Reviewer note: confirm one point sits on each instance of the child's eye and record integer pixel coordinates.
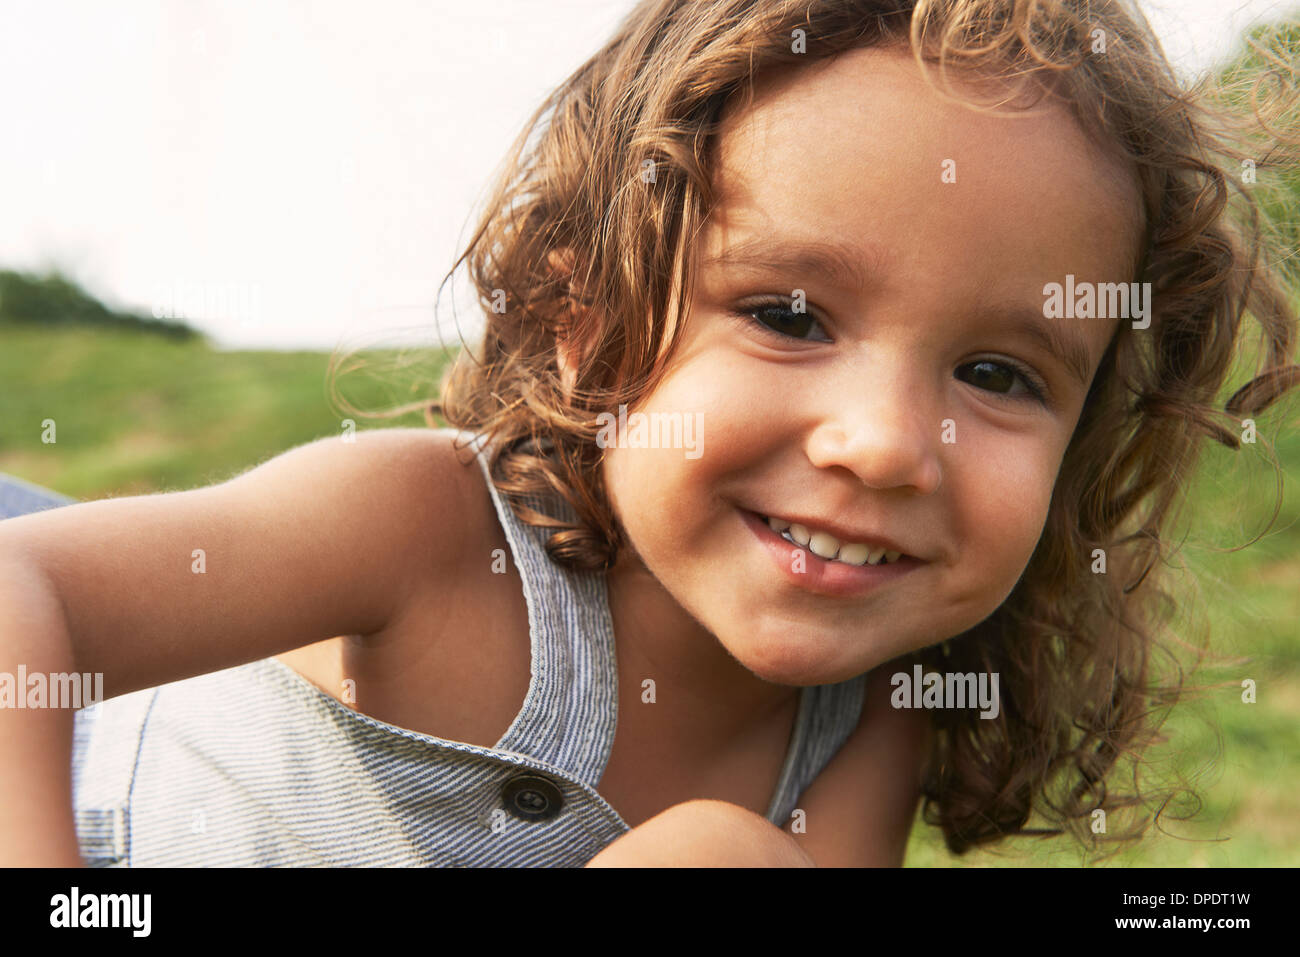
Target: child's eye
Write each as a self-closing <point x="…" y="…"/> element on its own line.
<point x="775" y="316"/>
<point x="1000" y="377"/>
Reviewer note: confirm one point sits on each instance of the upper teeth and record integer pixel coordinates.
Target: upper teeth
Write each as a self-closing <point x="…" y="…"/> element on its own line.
<point x="825" y="545"/>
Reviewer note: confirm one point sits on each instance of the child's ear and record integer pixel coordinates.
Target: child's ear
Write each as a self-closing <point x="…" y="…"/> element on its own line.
<point x="568" y="351"/>
<point x="566" y="358"/>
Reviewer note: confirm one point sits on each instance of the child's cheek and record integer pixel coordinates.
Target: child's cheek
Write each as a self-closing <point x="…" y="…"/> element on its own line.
<point x="725" y="411"/>
<point x="704" y="423"/>
<point x="999" y="492"/>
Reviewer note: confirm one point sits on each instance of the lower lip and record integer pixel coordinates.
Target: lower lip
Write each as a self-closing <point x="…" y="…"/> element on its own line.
<point x="822" y="577"/>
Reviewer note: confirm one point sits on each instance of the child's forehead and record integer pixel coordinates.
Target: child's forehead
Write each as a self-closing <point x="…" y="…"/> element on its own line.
<point x="865" y="128"/>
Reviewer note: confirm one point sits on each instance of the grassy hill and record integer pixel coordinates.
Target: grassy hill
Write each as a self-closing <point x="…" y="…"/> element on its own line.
<point x="54" y="300"/>
<point x="137" y="413"/>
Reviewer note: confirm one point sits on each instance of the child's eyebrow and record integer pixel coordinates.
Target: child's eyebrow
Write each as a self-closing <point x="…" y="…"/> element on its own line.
<point x="840" y="263"/>
<point x="1063" y="342"/>
<point x="843" y="265"/>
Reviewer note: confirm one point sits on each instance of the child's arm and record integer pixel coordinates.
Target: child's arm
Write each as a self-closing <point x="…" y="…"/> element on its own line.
<point x="859" y="810"/>
<point x="704" y="833"/>
<point x="327" y="539"/>
<point x="35" y="787"/>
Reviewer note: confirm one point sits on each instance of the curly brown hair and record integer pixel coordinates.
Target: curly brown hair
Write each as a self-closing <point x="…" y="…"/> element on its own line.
<point x="584" y="260"/>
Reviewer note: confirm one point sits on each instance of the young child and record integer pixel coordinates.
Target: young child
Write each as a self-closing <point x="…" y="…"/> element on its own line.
<point x="811" y="357"/>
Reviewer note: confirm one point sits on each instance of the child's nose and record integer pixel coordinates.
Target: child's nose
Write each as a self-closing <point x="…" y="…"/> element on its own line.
<point x="881" y="435"/>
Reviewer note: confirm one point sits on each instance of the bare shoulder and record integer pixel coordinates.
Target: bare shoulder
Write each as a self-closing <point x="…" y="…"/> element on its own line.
<point x="431" y="468"/>
<point x="859" y="810"/>
<point x="404" y="503"/>
<point x="431" y="486"/>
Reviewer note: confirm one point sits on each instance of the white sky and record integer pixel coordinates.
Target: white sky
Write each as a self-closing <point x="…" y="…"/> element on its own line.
<point x="314" y="164"/>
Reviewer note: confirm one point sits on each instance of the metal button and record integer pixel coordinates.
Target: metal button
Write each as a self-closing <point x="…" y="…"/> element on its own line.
<point x="532" y="798"/>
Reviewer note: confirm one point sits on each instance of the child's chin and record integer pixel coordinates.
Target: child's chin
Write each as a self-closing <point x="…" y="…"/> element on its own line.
<point x="784" y="661"/>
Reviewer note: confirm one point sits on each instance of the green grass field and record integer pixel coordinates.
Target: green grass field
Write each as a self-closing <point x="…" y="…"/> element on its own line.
<point x="137" y="414"/>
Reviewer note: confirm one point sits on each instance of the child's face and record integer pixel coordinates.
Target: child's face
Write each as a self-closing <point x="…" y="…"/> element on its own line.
<point x="868" y="415"/>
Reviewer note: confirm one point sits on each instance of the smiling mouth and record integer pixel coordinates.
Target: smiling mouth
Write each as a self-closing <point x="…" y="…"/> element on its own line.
<point x="829" y="548"/>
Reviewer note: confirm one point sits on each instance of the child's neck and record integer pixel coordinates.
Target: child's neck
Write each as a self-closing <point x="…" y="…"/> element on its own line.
<point x="720" y="700"/>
